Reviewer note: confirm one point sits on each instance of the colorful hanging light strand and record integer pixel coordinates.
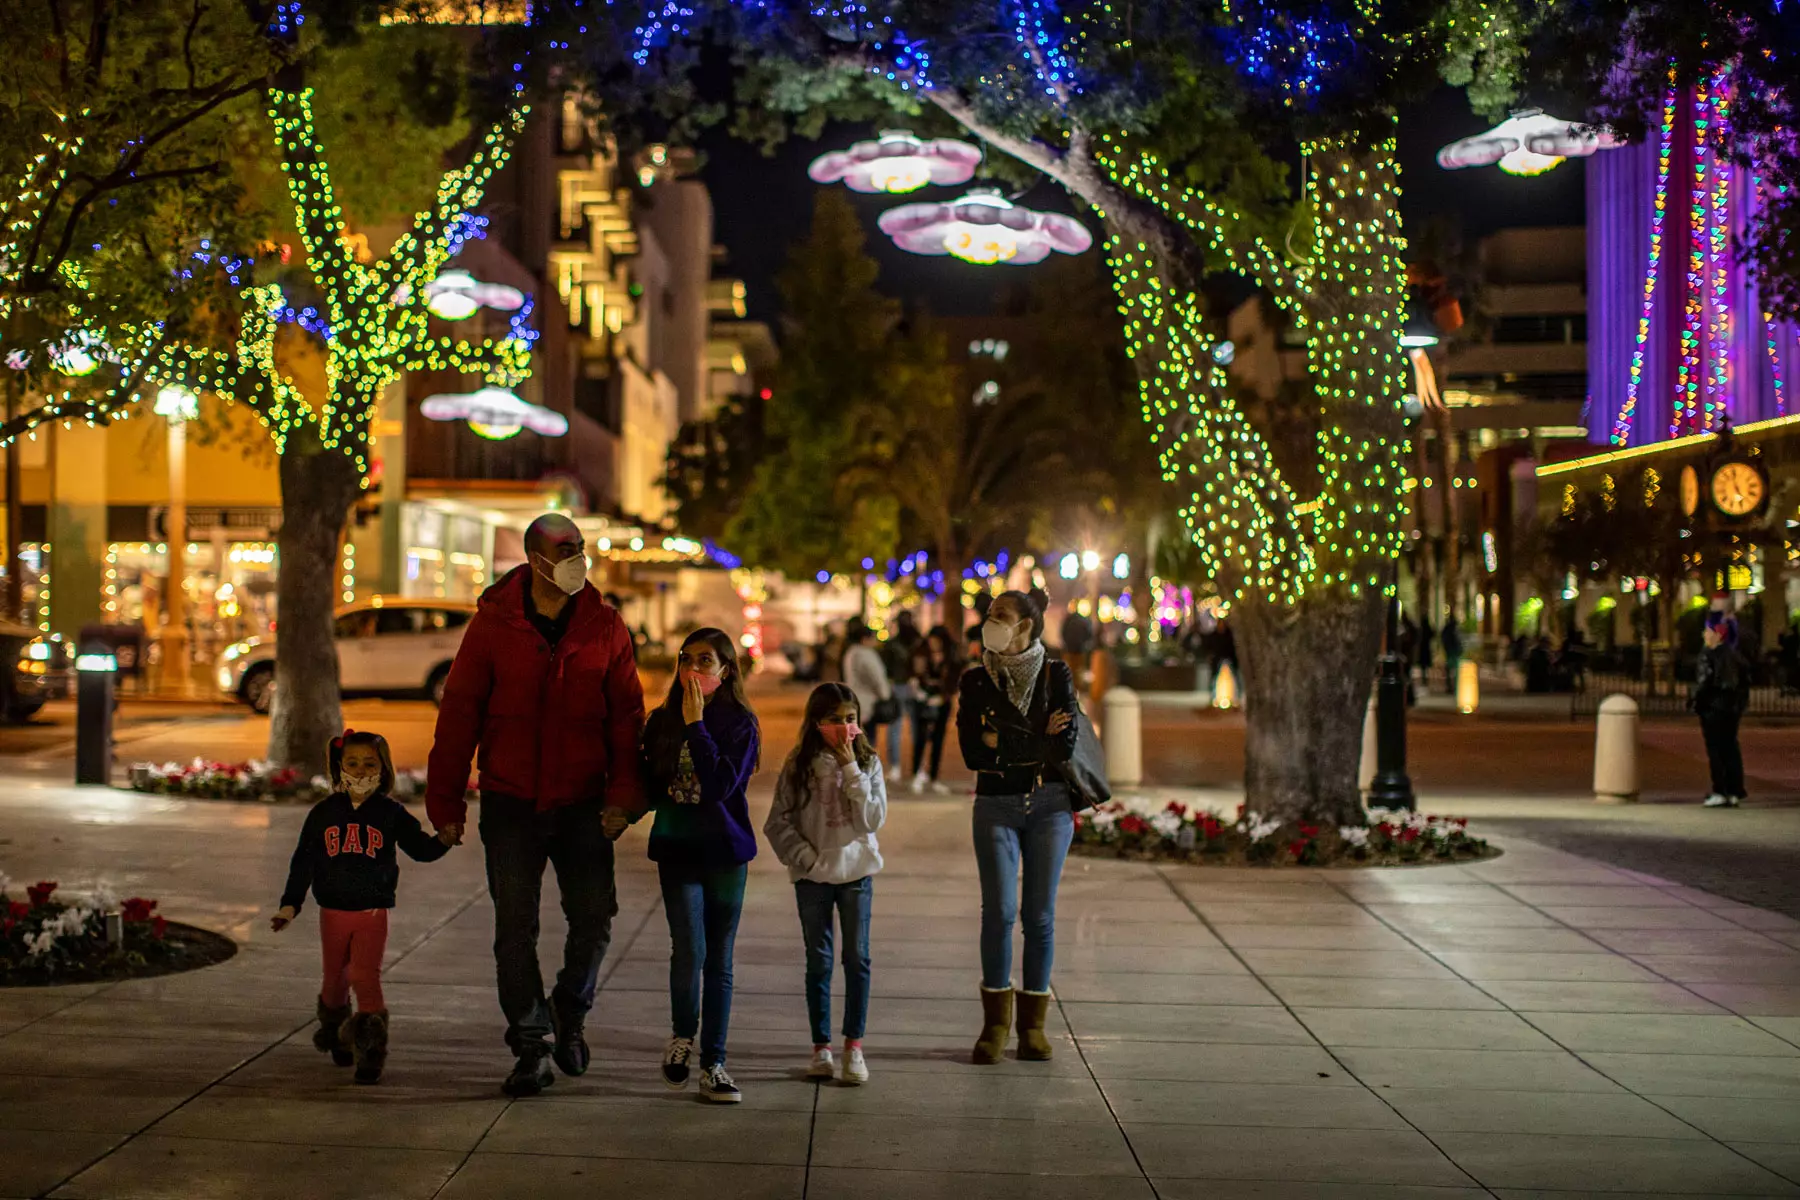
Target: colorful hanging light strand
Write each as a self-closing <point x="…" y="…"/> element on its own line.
<point x="1621" y="432"/>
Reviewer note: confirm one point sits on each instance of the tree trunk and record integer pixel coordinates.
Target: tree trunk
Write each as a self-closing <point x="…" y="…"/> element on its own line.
<point x="1307" y="669"/>
<point x="317" y="489"/>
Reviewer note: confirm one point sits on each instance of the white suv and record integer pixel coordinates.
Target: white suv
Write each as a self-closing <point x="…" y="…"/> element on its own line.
<point x="386" y="646"/>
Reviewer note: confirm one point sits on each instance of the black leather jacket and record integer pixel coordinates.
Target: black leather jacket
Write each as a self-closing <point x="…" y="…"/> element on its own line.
<point x="1721" y="682"/>
<point x="1026" y="756"/>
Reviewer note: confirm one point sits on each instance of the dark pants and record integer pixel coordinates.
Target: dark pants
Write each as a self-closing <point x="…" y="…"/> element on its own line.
<point x="518" y="841"/>
<point x="851" y="902"/>
<point x="932" y="725"/>
<point x="1722" y="753"/>
<point x="703" y="909"/>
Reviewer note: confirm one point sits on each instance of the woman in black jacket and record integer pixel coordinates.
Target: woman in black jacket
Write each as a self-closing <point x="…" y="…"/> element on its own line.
<point x="1016" y="723"/>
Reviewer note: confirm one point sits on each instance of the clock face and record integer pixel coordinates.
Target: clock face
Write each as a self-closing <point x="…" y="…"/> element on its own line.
<point x="1737" y="489"/>
<point x="1690" y="490"/>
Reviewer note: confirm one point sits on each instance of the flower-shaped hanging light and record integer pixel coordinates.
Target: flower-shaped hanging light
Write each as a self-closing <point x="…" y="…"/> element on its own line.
<point x="454" y="295"/>
<point x="1529" y="142"/>
<point x="494" y="413"/>
<point x="984" y="227"/>
<point x="897" y="162"/>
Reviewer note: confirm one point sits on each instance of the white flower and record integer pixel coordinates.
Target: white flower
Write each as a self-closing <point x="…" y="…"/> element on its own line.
<point x="1257" y="826"/>
<point x="103" y="897"/>
<point x="41" y="942"/>
<point x="1166" y="823"/>
<point x="1105" y="819"/>
<point x="5" y="882"/>
<point x="1354" y="835"/>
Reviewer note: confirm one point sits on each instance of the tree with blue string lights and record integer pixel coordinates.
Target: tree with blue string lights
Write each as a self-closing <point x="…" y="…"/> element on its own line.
<point x="1255" y="140"/>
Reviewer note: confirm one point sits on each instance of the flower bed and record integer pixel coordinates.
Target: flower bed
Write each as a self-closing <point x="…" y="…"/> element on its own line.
<point x="1178" y="833"/>
<point x="44" y="940"/>
<point x="259" y="781"/>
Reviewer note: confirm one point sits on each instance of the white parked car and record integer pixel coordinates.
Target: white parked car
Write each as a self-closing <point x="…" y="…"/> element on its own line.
<point x="387" y="646"/>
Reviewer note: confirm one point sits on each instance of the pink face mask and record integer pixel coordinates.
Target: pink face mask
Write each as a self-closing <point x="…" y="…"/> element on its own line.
<point x="840" y="735"/>
<point x="708" y="683"/>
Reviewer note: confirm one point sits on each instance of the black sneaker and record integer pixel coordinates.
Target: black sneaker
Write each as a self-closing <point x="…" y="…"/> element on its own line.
<point x="571" y="1051"/>
<point x="530" y="1075"/>
<point x="716" y="1086"/>
<point x="675" y="1062"/>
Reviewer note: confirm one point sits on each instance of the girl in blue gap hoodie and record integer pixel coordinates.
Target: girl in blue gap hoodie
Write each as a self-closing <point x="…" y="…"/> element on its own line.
<point x="700" y="749"/>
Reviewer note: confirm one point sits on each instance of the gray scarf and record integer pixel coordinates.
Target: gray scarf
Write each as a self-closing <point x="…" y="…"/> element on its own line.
<point x="1017" y="674"/>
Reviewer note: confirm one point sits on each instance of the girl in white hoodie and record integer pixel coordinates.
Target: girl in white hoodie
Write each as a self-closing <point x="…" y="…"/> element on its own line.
<point x="829" y="802"/>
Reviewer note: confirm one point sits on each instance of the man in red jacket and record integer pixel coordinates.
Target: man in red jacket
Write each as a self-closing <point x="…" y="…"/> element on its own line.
<point x="544" y="694"/>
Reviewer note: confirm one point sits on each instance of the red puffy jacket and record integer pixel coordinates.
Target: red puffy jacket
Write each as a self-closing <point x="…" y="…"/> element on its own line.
<point x="555" y="726"/>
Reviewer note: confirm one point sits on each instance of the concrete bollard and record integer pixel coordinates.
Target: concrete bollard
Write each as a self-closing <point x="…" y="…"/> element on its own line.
<point x="1365" y="772"/>
<point x="1225" y="687"/>
<point x="1124" y="740"/>
<point x="1468" y="686"/>
<point x="1615" y="751"/>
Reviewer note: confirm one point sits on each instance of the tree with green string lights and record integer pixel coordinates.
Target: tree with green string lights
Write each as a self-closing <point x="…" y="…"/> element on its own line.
<point x="371" y="326"/>
<point x="1176" y="125"/>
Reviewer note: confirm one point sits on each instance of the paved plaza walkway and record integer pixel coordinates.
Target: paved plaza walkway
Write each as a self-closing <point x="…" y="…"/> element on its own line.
<point x="1541" y="1025"/>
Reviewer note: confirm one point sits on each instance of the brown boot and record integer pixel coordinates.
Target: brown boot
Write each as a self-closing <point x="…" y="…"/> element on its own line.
<point x="996" y="1022"/>
<point x="1033" y="1045"/>
<point x="366" y="1034"/>
<point x="327" y="1037"/>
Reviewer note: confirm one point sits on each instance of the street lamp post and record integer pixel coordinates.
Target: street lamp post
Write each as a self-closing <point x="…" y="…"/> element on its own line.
<point x="176" y="405"/>
<point x="1391" y="787"/>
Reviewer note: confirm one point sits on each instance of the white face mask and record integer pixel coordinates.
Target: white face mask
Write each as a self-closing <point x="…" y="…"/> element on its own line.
<point x="997" y="637"/>
<point x="570" y="574"/>
<point x="360" y="787"/>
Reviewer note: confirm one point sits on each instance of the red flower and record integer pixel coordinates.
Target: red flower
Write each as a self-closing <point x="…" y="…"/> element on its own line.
<point x="1409" y="835"/>
<point x="17" y="908"/>
<point x="1211" y="826"/>
<point x="1309" y="831"/>
<point x="1298" y="848"/>
<point x="40" y="892"/>
<point x="158" y="927"/>
<point x="1385" y="829"/>
<point x="6" y="926"/>
<point x="138" y="909"/>
<point x="1176" y="807"/>
<point x="1132" y="823"/>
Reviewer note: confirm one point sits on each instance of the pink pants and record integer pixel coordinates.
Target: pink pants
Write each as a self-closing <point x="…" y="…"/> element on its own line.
<point x="354" y="943"/>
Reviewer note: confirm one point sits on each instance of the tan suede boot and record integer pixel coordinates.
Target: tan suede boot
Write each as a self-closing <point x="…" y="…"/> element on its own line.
<point x="1033" y="1045"/>
<point x="996" y="1022"/>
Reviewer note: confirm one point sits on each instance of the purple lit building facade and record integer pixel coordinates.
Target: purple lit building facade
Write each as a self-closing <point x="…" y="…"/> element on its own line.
<point x="1677" y="334"/>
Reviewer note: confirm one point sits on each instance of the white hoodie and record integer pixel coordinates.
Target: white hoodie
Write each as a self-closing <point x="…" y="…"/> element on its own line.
<point x="828" y="836"/>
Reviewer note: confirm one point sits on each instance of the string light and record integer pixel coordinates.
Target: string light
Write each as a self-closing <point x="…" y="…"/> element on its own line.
<point x="369" y="339"/>
<point x="1621" y="432"/>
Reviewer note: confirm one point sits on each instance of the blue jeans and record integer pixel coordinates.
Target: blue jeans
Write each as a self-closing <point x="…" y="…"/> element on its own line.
<point x="1033" y="831"/>
<point x="703" y="909"/>
<point x="852" y="901"/>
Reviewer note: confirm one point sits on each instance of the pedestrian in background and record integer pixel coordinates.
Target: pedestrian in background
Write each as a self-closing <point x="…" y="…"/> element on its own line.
<point x="346" y="858"/>
<point x="830" y="802"/>
<point x="867" y="675"/>
<point x="937" y="670"/>
<point x="700" y="749"/>
<point x="897" y="656"/>
<point x="1451" y="640"/>
<point x="1721" y="693"/>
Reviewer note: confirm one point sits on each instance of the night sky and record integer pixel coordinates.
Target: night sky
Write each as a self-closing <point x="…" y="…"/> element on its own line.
<point x="764" y="204"/>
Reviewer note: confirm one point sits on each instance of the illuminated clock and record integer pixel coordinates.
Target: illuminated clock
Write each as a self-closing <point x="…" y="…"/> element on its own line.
<point x="1690" y="490"/>
<point x="1738" y="489"/>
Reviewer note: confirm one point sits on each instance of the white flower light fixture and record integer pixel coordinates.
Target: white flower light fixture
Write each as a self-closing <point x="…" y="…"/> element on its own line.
<point x="897" y="162"/>
<point x="984" y="227"/>
<point x="455" y="295"/>
<point x="1529" y="142"/>
<point x="494" y="413"/>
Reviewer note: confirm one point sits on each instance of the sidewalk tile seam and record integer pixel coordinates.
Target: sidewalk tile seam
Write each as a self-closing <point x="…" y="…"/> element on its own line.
<point x="1328" y="1051"/>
